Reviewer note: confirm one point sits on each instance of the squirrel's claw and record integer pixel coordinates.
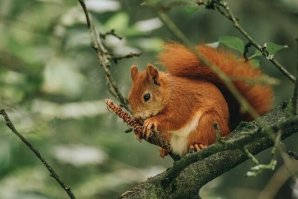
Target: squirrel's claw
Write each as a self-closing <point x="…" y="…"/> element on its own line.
<point x="163" y="152"/>
<point x="149" y="126"/>
<point x="196" y="147"/>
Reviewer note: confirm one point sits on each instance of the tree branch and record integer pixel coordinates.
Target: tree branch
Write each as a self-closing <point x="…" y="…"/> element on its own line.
<point x="209" y="164"/>
<point x="103" y="56"/>
<point x="275" y="183"/>
<point x="227" y="81"/>
<point x="53" y="174"/>
<point x="111" y="32"/>
<point x="155" y="138"/>
<point x="295" y="95"/>
<point x="129" y="55"/>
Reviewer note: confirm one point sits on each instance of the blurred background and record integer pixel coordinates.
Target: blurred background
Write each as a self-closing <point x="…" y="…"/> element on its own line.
<point x="53" y="88"/>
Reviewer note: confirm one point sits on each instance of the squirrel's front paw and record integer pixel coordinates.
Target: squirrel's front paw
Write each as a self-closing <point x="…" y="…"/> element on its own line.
<point x="149" y="126"/>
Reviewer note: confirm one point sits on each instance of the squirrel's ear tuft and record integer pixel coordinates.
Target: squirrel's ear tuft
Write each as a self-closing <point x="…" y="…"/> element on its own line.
<point x="153" y="74"/>
<point x="133" y="71"/>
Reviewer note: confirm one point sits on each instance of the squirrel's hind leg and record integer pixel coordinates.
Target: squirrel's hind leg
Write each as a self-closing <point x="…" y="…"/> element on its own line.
<point x="205" y="134"/>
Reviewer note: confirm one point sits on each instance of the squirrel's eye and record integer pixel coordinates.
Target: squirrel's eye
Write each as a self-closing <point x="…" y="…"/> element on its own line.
<point x="147" y="97"/>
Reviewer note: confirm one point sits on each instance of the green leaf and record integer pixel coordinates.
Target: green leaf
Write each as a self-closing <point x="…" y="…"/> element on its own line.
<point x="150" y="44"/>
<point x="274" y="48"/>
<point x="271" y="47"/>
<point x="119" y="20"/>
<point x="232" y="42"/>
<point x="255" y="62"/>
<point x="256" y="54"/>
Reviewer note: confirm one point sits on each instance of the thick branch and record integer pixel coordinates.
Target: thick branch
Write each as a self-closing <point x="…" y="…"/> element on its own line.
<point x="37" y="154"/>
<point x="245" y="106"/>
<point x="193" y="176"/>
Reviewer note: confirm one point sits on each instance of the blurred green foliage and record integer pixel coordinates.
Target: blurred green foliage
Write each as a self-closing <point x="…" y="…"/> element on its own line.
<point x="53" y="88"/>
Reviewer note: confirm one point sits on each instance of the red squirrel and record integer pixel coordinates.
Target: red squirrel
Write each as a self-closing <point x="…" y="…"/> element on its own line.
<point x="184" y="103"/>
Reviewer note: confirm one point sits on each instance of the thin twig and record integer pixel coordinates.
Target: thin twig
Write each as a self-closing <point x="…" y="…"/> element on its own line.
<point x="111" y="32"/>
<point x="103" y="56"/>
<point x="37" y="154"/>
<point x="259" y="168"/>
<point x="277" y="142"/>
<point x="295" y="96"/>
<point x="250" y="156"/>
<point x="244" y="104"/>
<point x="293" y="154"/>
<point x="83" y="5"/>
<point x="223" y="8"/>
<point x="129" y="55"/>
<point x="137" y="125"/>
<point x="281" y="175"/>
<point x="254" y="171"/>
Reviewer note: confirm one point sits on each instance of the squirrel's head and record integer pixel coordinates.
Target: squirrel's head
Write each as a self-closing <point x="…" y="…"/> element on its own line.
<point x="146" y="94"/>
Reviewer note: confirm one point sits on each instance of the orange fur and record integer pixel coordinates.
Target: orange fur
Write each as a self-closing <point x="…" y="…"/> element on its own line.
<point x="180" y="61"/>
<point x="184" y="104"/>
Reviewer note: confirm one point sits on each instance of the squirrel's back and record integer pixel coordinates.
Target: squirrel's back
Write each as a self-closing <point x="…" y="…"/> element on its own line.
<point x="180" y="61"/>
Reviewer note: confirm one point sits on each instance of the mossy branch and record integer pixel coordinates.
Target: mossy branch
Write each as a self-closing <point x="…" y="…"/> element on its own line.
<point x="197" y="169"/>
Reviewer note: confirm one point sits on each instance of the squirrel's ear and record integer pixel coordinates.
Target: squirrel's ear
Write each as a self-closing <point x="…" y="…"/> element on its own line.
<point x="153" y="74"/>
<point x="133" y="71"/>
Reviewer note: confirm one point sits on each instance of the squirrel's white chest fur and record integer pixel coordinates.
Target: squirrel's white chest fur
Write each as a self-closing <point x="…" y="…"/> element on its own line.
<point x="179" y="138"/>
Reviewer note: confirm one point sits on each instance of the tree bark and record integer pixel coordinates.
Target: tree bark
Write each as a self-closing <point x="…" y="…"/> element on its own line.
<point x="188" y="181"/>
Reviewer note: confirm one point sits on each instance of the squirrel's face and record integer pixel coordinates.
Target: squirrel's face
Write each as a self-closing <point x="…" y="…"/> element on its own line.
<point x="146" y="95"/>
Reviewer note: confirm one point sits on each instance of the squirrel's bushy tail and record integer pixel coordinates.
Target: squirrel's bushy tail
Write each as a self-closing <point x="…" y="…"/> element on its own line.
<point x="180" y="61"/>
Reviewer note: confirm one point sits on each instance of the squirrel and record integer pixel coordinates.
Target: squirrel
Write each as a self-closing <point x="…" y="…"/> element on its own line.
<point x="184" y="103"/>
